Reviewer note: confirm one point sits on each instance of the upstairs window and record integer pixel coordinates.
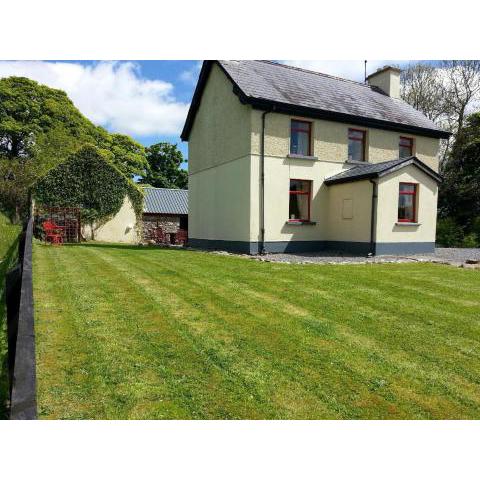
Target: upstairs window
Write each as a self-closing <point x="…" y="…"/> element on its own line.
<point x="300" y="138"/>
<point x="300" y="195"/>
<point x="356" y="145"/>
<point x="407" y="202"/>
<point x="405" y="147"/>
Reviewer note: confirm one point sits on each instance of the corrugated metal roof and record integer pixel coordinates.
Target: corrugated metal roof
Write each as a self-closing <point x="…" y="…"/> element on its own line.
<point x="165" y="200"/>
<point x="373" y="170"/>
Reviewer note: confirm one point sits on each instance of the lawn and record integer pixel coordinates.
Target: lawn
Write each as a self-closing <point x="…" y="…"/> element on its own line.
<point x="140" y="332"/>
<point x="8" y="253"/>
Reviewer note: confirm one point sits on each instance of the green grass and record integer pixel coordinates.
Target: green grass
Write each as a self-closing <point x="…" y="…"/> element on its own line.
<point x="8" y="253"/>
<point x="130" y="332"/>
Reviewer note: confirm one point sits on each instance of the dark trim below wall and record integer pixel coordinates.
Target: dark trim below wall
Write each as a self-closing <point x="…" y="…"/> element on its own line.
<point x="236" y="246"/>
<point x="396" y="248"/>
<point x="358" y="248"/>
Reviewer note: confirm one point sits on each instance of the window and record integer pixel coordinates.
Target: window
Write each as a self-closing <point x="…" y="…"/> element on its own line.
<point x="299" y="209"/>
<point x="407" y="202"/>
<point x="405" y="147"/>
<point x="300" y="138"/>
<point x="356" y="145"/>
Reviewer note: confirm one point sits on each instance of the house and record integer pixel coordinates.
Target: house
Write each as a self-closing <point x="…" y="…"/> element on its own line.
<point x="163" y="208"/>
<point x="283" y="159"/>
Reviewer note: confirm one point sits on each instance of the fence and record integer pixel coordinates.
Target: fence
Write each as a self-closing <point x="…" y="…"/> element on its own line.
<point x="21" y="333"/>
<point x="67" y="219"/>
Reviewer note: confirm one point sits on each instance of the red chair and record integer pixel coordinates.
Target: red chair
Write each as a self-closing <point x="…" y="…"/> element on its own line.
<point x="181" y="237"/>
<point x="53" y="233"/>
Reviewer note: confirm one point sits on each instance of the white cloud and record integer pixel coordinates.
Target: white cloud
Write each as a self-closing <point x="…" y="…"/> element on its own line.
<point x="191" y="75"/>
<point x="112" y="94"/>
<point x="351" y="69"/>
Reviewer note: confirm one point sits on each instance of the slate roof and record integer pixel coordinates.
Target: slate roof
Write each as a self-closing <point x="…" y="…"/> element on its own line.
<point x="165" y="200"/>
<point x="269" y="85"/>
<point x="377" y="170"/>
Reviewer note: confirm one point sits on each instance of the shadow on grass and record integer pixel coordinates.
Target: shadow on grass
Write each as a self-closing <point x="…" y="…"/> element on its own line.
<point x="7" y="262"/>
<point x="119" y="246"/>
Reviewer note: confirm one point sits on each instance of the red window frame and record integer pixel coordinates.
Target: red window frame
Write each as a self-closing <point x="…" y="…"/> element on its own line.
<point x="307" y="130"/>
<point x="412" y="192"/>
<point x="300" y="192"/>
<point x="407" y="143"/>
<point x="363" y="140"/>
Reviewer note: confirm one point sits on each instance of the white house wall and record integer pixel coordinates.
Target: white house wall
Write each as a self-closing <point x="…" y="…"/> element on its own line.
<point x="389" y="233"/>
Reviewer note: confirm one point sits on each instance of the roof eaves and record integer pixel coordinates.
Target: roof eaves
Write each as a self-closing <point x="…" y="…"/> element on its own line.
<point x="266" y="104"/>
<point x="383" y="172"/>
<point x="353" y="178"/>
<point x="412" y="161"/>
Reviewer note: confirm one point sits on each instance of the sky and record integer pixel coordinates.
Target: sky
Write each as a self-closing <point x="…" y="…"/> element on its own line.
<point x="147" y="100"/>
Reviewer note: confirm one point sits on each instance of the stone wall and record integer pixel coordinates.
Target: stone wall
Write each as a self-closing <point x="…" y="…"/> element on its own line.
<point x="169" y="224"/>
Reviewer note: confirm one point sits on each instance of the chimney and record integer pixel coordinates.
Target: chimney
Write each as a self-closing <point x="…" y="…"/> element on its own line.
<point x="386" y="79"/>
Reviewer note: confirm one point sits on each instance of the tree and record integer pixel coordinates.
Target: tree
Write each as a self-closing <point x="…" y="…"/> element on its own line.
<point x="39" y="128"/>
<point x="164" y="160"/>
<point x="460" y="191"/>
<point x="445" y="93"/>
<point x="16" y="177"/>
<point x="423" y="88"/>
<point x="462" y="88"/>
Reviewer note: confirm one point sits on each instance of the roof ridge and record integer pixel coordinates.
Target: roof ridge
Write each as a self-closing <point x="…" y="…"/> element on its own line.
<point x="334" y="77"/>
<point x="164" y="188"/>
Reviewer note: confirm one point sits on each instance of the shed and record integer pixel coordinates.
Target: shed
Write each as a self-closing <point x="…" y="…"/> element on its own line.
<point x="164" y="208"/>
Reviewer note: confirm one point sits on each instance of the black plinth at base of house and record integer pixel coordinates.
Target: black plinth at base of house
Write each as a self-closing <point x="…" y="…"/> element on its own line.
<point x="358" y="248"/>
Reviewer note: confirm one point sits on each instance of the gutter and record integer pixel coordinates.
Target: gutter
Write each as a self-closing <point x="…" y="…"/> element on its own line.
<point x="373" y="217"/>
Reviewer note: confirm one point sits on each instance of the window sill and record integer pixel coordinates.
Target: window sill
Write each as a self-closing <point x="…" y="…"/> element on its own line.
<point x="357" y="162"/>
<point x="298" y="223"/>
<point x="301" y="157"/>
<point x="408" y="224"/>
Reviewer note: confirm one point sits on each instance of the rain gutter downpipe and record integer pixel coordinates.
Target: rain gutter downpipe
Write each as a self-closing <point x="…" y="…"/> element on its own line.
<point x="262" y="185"/>
<point x="373" y="217"/>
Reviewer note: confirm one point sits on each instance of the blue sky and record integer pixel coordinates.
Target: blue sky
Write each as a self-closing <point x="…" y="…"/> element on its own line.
<point x="146" y="99"/>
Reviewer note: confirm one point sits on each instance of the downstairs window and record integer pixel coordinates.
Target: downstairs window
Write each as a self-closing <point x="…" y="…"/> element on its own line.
<point x="299" y="205"/>
<point x="407" y="202"/>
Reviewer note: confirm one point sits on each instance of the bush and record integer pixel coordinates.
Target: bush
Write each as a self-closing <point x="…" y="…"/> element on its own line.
<point x="470" y="241"/>
<point x="476" y="227"/>
<point x="449" y="234"/>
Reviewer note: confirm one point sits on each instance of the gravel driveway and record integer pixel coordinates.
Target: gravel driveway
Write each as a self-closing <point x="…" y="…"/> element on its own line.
<point x="455" y="256"/>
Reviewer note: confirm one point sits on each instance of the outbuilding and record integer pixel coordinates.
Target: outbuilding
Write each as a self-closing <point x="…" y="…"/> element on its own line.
<point x="165" y="213"/>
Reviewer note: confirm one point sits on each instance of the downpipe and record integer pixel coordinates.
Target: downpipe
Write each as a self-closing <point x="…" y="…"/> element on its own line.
<point x="262" y="186"/>
<point x="373" y="217"/>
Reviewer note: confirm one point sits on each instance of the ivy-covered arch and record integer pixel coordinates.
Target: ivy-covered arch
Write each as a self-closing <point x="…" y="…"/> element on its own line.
<point x="90" y="181"/>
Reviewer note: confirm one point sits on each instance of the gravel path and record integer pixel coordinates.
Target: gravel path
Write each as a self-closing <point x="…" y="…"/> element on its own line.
<point x="443" y="255"/>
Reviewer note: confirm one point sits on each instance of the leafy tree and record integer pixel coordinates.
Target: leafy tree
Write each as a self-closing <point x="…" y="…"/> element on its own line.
<point x="449" y="234"/>
<point x="423" y="88"/>
<point x="460" y="192"/>
<point x="127" y="154"/>
<point x="15" y="180"/>
<point x="445" y="93"/>
<point x="39" y="128"/>
<point x="164" y="160"/>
